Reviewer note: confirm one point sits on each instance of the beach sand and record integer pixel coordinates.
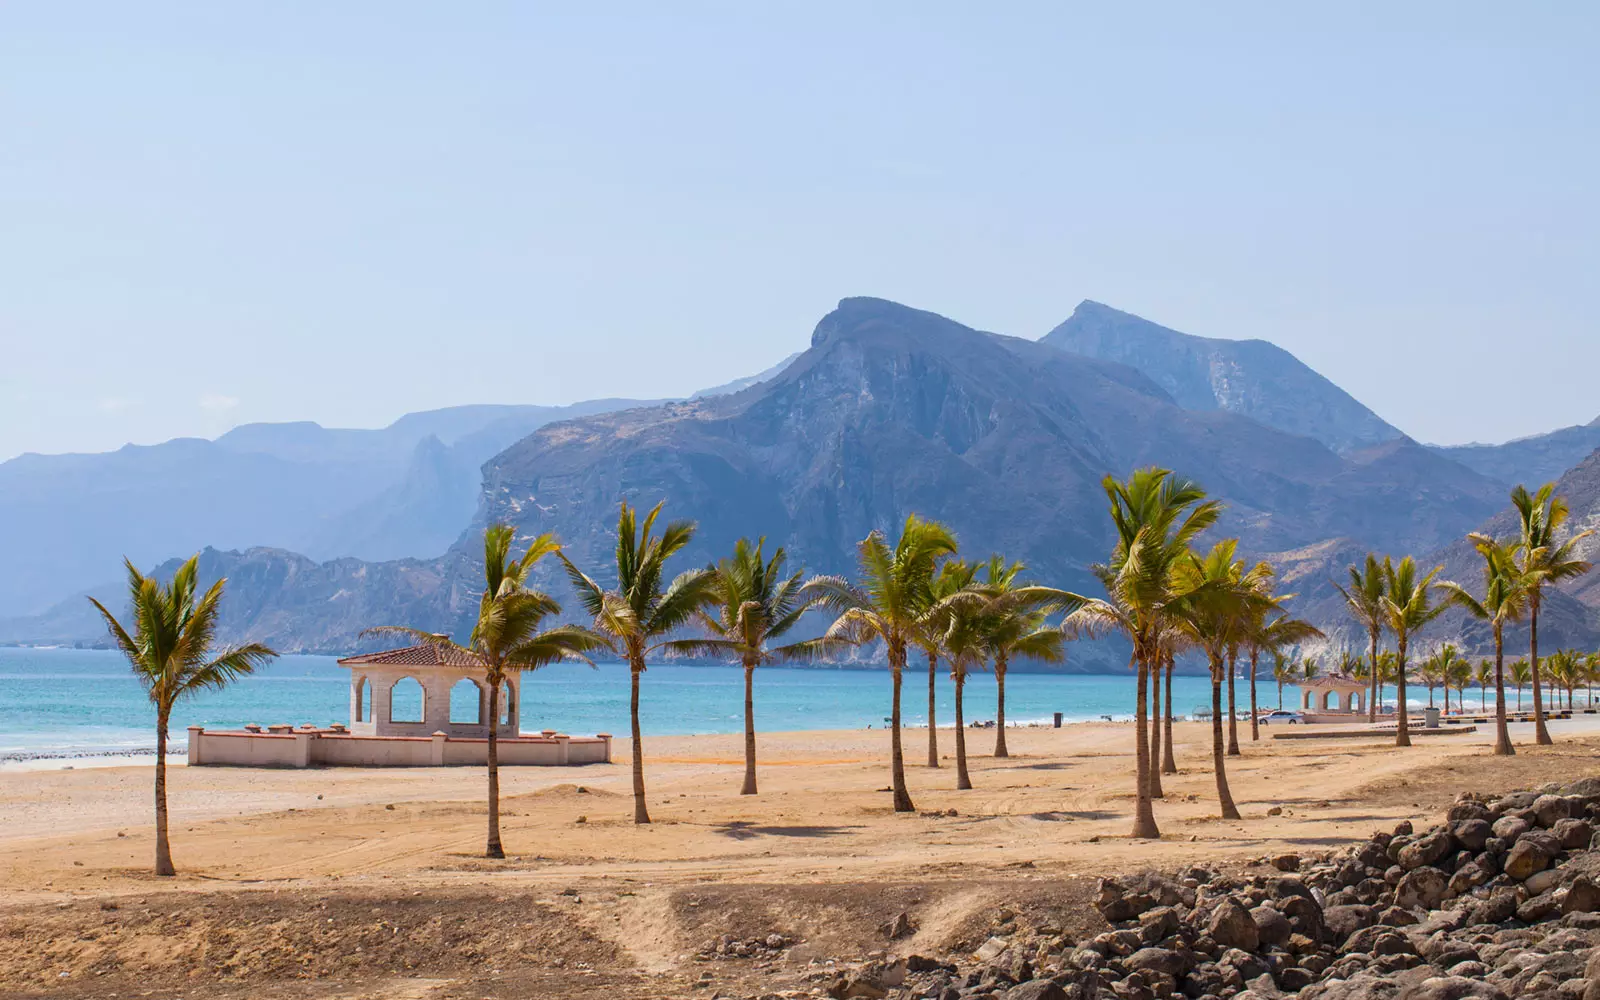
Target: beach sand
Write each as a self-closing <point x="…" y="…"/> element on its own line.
<point x="338" y="881"/>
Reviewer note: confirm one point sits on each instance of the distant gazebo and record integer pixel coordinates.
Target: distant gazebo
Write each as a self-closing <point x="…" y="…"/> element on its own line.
<point x="450" y="683"/>
<point x="1333" y="696"/>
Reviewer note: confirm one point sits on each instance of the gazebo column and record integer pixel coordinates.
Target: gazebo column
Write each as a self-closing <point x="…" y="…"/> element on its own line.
<point x="436" y="701"/>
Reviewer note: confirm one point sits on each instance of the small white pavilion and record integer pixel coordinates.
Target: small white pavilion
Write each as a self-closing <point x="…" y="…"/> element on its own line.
<point x="1334" y="696"/>
<point x="420" y="706"/>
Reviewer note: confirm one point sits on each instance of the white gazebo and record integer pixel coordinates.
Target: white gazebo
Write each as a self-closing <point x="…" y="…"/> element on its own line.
<point x="441" y="690"/>
<point x="1333" y="695"/>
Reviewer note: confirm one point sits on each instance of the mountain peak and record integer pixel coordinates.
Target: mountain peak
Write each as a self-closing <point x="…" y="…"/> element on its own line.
<point x="1254" y="378"/>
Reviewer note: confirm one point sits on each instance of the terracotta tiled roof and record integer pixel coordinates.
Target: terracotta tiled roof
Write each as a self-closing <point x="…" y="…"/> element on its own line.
<point x="424" y="655"/>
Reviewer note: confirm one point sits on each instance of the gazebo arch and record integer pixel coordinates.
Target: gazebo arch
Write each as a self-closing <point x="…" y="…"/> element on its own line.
<point x="1333" y="696"/>
<point x="438" y="669"/>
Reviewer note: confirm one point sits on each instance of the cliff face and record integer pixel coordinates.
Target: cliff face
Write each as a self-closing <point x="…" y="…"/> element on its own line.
<point x="1249" y="377"/>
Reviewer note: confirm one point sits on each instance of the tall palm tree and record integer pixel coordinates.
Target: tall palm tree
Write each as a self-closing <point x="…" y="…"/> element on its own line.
<point x="1275" y="634"/>
<point x="1564" y="672"/>
<point x="1521" y="675"/>
<point x="1543" y="559"/>
<point x="1284" y="670"/>
<point x="889" y="606"/>
<point x="1505" y="597"/>
<point x="1454" y="671"/>
<point x="1430" y="673"/>
<point x="945" y="586"/>
<point x="1016" y="613"/>
<point x="507" y="638"/>
<point x="1216" y="597"/>
<point x="171" y="653"/>
<point x="1156" y="516"/>
<point x="635" y="618"/>
<point x="1482" y="676"/>
<point x="1364" y="599"/>
<point x="752" y="604"/>
<point x="1409" y="606"/>
<point x="962" y="628"/>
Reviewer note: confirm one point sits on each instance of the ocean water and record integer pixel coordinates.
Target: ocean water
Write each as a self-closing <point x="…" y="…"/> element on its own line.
<point x="70" y="701"/>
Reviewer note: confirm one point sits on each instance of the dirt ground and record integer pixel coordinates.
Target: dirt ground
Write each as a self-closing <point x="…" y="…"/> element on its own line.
<point x="359" y="883"/>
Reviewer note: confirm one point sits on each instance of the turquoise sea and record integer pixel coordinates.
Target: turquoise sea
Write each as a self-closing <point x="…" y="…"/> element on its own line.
<point x="70" y="701"/>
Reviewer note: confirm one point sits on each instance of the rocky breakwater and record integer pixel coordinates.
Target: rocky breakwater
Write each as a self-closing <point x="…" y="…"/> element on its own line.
<point x="1500" y="900"/>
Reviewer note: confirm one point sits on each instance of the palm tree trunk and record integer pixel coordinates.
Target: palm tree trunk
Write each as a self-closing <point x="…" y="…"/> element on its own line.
<point x="1377" y="679"/>
<point x="1000" y="707"/>
<point x="902" y="797"/>
<point x="1169" y="764"/>
<point x="962" y="779"/>
<point x="1280" y="694"/>
<point x="1502" y="736"/>
<point x="1233" y="713"/>
<point x="641" y="814"/>
<point x="749" y="730"/>
<point x="1218" y="758"/>
<point x="1255" y="724"/>
<point x="933" y="727"/>
<point x="1144" y="820"/>
<point x="163" y="849"/>
<point x="1156" y="791"/>
<point x="493" y="848"/>
<point x="1402" y="733"/>
<point x="1541" y="735"/>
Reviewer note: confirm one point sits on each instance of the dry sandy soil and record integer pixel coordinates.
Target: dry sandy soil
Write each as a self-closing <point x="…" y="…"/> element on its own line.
<point x="369" y="883"/>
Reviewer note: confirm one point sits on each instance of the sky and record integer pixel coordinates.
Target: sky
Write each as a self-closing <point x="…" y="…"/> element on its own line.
<point x="213" y="214"/>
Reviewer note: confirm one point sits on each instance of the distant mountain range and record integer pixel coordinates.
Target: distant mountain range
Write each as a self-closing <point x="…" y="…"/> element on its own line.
<point x="890" y="410"/>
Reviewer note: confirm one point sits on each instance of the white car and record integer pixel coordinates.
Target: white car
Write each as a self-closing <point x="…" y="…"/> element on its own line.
<point x="1284" y="716"/>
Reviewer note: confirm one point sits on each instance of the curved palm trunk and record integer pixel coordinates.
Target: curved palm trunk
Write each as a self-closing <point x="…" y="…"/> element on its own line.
<point x="493" y="848"/>
<point x="1169" y="764"/>
<point x="902" y="797"/>
<point x="1502" y="736"/>
<point x="1233" y="712"/>
<point x="933" y="726"/>
<point x="1255" y="723"/>
<point x="1144" y="820"/>
<point x="749" y="787"/>
<point x="1156" y="791"/>
<point x="1541" y="735"/>
<point x="1000" y="707"/>
<point x="1402" y="733"/>
<point x="1375" y="689"/>
<point x="641" y="814"/>
<point x="962" y="779"/>
<point x="163" y="849"/>
<point x="1218" y="758"/>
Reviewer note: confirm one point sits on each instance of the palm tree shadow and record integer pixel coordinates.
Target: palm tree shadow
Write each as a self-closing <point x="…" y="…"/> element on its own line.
<point x="1062" y="816"/>
<point x="742" y="830"/>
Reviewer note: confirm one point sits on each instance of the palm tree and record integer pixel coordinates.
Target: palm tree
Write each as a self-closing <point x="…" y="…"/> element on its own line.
<point x="1564" y="672"/>
<point x="1456" y="672"/>
<point x="171" y="654"/>
<point x="1543" y="560"/>
<point x="1016" y="627"/>
<point x="634" y="619"/>
<point x="1277" y="634"/>
<point x="1284" y="670"/>
<point x="1364" y="599"/>
<point x="1521" y="675"/>
<point x="507" y="638"/>
<point x="1408" y="603"/>
<point x="962" y="630"/>
<point x="1156" y="515"/>
<point x="1505" y="598"/>
<point x="752" y="604"/>
<point x="1430" y="673"/>
<point x="889" y="606"/>
<point x="1481" y="677"/>
<point x="1591" y="673"/>
<point x="1216" y="598"/>
<point x="945" y="586"/>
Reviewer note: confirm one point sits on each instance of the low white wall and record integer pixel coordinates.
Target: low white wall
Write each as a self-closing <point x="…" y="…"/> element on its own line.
<point x="322" y="748"/>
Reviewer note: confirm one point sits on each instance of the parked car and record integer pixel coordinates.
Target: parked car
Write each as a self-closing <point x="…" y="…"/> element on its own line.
<point x="1283" y="716"/>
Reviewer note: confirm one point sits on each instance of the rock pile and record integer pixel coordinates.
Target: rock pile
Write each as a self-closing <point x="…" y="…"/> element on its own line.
<point x="1500" y="900"/>
<point x="727" y="946"/>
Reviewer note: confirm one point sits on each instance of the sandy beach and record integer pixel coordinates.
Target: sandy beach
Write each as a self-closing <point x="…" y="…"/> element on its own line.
<point x="818" y="855"/>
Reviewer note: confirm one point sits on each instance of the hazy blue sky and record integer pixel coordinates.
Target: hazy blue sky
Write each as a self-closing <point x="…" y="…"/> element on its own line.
<point x="218" y="213"/>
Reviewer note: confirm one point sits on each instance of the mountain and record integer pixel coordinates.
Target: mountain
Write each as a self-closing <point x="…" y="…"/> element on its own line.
<point x="404" y="490"/>
<point x="740" y="384"/>
<point x="1249" y="377"/>
<point x="1532" y="461"/>
<point x="890" y="411"/>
